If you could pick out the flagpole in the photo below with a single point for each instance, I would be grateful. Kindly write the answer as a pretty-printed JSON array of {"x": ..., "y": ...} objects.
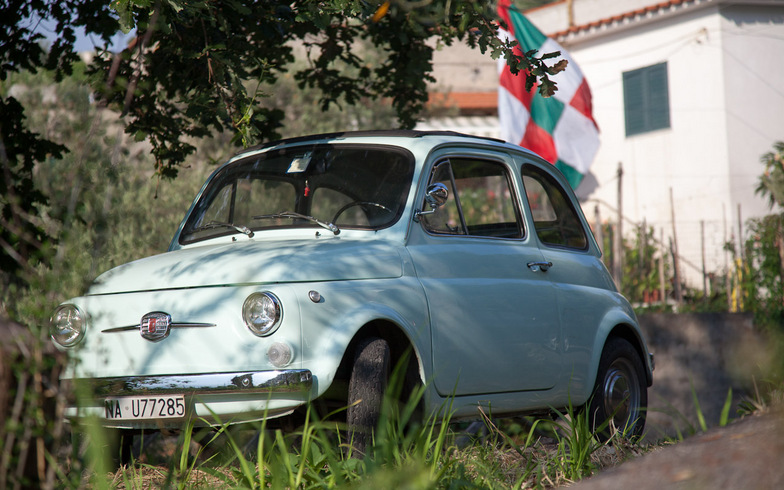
[
  {"x": 675, "y": 254},
  {"x": 618, "y": 242}
]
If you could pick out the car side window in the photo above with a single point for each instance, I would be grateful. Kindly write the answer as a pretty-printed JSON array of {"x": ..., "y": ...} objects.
[
  {"x": 481, "y": 200},
  {"x": 555, "y": 220}
]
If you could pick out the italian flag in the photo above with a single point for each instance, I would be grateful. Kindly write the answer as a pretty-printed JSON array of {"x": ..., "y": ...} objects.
[{"x": 560, "y": 128}]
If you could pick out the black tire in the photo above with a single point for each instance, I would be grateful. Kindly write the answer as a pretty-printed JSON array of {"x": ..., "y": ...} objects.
[
  {"x": 368, "y": 383},
  {"x": 620, "y": 396}
]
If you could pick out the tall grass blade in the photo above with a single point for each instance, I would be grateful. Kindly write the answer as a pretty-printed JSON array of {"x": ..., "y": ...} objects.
[
  {"x": 700, "y": 416},
  {"x": 725, "y": 410}
]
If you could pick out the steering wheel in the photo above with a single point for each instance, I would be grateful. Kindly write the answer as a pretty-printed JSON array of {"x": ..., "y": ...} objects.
[{"x": 360, "y": 203}]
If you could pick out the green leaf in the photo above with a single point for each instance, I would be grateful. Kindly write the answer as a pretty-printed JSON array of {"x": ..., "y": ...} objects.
[
  {"x": 175, "y": 5},
  {"x": 124, "y": 15}
]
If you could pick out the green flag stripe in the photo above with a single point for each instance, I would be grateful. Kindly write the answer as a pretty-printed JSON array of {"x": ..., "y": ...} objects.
[
  {"x": 573, "y": 176},
  {"x": 526, "y": 33},
  {"x": 546, "y": 112}
]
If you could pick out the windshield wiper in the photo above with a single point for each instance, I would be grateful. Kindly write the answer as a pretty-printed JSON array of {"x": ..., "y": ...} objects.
[
  {"x": 221, "y": 224},
  {"x": 290, "y": 214}
]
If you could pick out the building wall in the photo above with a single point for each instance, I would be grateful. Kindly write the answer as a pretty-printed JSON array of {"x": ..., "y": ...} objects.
[
  {"x": 462, "y": 69},
  {"x": 726, "y": 94},
  {"x": 689, "y": 159},
  {"x": 753, "y": 62}
]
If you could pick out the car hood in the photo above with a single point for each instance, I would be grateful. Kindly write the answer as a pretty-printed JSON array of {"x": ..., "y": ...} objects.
[{"x": 250, "y": 262}]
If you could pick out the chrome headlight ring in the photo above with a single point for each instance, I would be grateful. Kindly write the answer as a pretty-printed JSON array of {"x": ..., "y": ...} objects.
[
  {"x": 262, "y": 313},
  {"x": 68, "y": 325}
]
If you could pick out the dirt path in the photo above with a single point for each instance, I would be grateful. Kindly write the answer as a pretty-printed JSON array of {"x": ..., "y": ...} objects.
[{"x": 747, "y": 454}]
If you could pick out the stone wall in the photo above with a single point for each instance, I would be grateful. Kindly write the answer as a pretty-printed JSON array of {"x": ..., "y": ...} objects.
[{"x": 704, "y": 355}]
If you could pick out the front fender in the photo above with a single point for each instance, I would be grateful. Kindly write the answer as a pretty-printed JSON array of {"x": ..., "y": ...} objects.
[{"x": 329, "y": 326}]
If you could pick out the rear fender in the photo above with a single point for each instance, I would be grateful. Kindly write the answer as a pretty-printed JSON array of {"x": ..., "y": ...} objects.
[{"x": 618, "y": 324}]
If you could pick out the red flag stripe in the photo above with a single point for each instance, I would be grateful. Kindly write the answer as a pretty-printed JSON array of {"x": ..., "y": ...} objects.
[
  {"x": 540, "y": 142},
  {"x": 582, "y": 101},
  {"x": 503, "y": 12},
  {"x": 515, "y": 84}
]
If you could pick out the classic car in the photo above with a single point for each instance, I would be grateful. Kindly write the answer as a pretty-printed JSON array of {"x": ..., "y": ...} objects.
[{"x": 307, "y": 268}]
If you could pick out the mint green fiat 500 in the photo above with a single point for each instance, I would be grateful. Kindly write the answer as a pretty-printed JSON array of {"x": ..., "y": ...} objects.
[{"x": 306, "y": 269}]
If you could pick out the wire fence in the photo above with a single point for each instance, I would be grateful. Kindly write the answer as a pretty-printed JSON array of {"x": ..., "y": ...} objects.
[{"x": 694, "y": 256}]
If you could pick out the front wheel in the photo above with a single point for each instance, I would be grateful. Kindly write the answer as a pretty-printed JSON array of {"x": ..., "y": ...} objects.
[
  {"x": 620, "y": 395},
  {"x": 368, "y": 383}
]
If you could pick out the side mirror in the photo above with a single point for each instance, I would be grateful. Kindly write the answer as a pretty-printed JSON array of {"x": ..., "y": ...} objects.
[{"x": 436, "y": 196}]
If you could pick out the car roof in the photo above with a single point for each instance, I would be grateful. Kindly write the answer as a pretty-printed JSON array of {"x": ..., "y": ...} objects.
[{"x": 382, "y": 133}]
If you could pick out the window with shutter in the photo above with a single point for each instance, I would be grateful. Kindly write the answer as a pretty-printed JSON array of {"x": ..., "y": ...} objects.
[{"x": 646, "y": 99}]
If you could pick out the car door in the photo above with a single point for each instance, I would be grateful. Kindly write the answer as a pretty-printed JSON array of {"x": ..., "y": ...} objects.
[
  {"x": 494, "y": 322},
  {"x": 584, "y": 289}
]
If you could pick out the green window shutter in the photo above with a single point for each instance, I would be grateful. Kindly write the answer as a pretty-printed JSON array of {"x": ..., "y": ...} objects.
[
  {"x": 633, "y": 102},
  {"x": 646, "y": 99}
]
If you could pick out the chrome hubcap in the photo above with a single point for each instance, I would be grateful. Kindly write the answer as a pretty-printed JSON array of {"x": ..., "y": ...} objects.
[{"x": 622, "y": 394}]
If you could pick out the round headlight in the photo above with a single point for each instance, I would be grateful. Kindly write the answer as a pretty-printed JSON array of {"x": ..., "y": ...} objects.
[
  {"x": 262, "y": 313},
  {"x": 67, "y": 325}
]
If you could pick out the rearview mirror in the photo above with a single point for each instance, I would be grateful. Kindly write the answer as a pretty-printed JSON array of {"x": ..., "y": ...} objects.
[{"x": 436, "y": 196}]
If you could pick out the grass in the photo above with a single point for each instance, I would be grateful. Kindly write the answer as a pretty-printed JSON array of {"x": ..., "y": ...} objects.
[
  {"x": 527, "y": 453},
  {"x": 507, "y": 453},
  {"x": 546, "y": 454}
]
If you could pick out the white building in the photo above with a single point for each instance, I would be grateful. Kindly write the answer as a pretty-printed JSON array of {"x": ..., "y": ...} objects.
[{"x": 688, "y": 95}]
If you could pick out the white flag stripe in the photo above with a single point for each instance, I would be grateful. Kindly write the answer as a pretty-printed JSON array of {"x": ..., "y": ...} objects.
[
  {"x": 514, "y": 114},
  {"x": 568, "y": 80},
  {"x": 576, "y": 139},
  {"x": 504, "y": 36}
]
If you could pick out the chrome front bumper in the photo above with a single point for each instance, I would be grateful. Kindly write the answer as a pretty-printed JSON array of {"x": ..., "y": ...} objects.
[
  {"x": 211, "y": 398},
  {"x": 243, "y": 382}
]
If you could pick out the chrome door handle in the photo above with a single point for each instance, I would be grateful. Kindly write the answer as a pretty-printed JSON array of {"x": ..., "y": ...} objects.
[{"x": 537, "y": 266}]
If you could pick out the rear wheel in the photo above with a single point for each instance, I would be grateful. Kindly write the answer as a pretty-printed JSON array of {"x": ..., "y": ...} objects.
[
  {"x": 367, "y": 385},
  {"x": 620, "y": 395}
]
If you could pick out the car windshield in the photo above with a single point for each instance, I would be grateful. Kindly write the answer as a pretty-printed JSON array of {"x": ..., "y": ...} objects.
[{"x": 330, "y": 187}]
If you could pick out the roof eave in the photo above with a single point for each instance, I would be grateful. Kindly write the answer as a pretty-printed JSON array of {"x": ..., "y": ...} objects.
[{"x": 628, "y": 20}]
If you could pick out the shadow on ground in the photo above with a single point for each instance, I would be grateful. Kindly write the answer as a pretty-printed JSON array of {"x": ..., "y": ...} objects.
[{"x": 748, "y": 453}]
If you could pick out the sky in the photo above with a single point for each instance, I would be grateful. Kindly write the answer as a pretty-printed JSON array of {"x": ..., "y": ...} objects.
[{"x": 84, "y": 42}]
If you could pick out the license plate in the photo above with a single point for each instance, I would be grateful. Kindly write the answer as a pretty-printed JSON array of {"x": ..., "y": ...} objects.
[{"x": 145, "y": 407}]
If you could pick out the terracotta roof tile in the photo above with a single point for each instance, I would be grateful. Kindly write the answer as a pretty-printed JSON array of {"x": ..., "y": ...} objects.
[{"x": 466, "y": 100}]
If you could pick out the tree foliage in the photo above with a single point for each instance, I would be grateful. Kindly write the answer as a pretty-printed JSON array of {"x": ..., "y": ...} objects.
[
  {"x": 188, "y": 69},
  {"x": 101, "y": 205},
  {"x": 762, "y": 277},
  {"x": 199, "y": 67},
  {"x": 22, "y": 238},
  {"x": 771, "y": 183}
]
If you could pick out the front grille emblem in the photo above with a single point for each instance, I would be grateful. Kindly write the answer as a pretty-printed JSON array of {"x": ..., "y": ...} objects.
[{"x": 155, "y": 326}]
